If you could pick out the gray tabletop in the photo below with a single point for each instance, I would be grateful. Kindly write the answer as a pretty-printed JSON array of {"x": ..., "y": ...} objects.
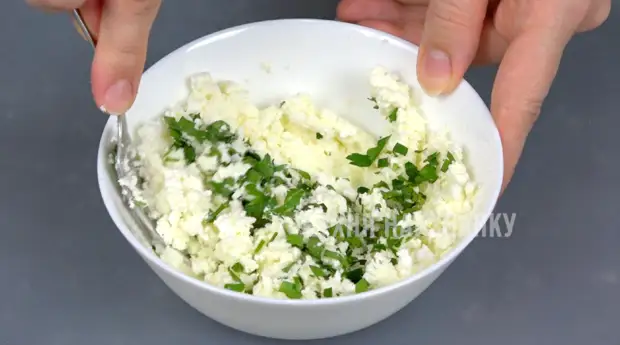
[{"x": 67, "y": 277}]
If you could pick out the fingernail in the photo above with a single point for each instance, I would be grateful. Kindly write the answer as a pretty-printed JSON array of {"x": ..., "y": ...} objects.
[
  {"x": 118, "y": 97},
  {"x": 437, "y": 72}
]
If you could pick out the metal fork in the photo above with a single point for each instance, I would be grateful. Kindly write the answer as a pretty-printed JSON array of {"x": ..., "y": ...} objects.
[{"x": 123, "y": 161}]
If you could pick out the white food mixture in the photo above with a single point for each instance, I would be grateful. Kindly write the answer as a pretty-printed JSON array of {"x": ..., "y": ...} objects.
[{"x": 294, "y": 201}]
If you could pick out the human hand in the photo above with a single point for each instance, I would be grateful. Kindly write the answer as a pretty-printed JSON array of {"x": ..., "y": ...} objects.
[
  {"x": 122, "y": 30},
  {"x": 527, "y": 38}
]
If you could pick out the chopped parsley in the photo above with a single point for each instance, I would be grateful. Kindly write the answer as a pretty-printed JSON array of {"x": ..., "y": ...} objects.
[
  {"x": 404, "y": 194},
  {"x": 446, "y": 163},
  {"x": 400, "y": 149},
  {"x": 291, "y": 290},
  {"x": 366, "y": 160},
  {"x": 393, "y": 115},
  {"x": 361, "y": 286}
]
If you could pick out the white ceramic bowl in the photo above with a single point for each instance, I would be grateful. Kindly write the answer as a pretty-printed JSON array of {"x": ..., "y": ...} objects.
[{"x": 331, "y": 61}]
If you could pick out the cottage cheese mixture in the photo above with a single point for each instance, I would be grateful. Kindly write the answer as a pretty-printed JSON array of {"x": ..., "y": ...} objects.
[{"x": 293, "y": 201}]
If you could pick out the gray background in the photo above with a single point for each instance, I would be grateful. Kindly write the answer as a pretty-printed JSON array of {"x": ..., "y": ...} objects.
[{"x": 67, "y": 277}]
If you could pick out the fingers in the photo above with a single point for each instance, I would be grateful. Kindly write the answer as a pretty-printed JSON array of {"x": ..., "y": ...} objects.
[
  {"x": 388, "y": 27},
  {"x": 492, "y": 46},
  {"x": 121, "y": 52},
  {"x": 597, "y": 14},
  {"x": 375, "y": 10},
  {"x": 449, "y": 43},
  {"x": 56, "y": 5},
  {"x": 522, "y": 83}
]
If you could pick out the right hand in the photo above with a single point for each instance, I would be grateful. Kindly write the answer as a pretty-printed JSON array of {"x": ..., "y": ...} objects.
[{"x": 122, "y": 30}]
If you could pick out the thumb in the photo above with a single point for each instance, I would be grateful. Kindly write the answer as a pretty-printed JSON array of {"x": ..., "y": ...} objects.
[
  {"x": 121, "y": 52},
  {"x": 449, "y": 42}
]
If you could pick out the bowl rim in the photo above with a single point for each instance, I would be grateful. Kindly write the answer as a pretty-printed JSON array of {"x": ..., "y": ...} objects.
[{"x": 151, "y": 257}]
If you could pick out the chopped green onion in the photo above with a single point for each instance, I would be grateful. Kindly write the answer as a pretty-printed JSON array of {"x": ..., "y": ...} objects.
[
  {"x": 213, "y": 216},
  {"x": 259, "y": 247}
]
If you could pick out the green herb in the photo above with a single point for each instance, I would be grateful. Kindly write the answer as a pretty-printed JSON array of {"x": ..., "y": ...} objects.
[
  {"x": 213, "y": 216},
  {"x": 361, "y": 286},
  {"x": 183, "y": 126},
  {"x": 359, "y": 160},
  {"x": 292, "y": 200},
  {"x": 393, "y": 115},
  {"x": 251, "y": 158},
  {"x": 383, "y": 163},
  {"x": 295, "y": 240},
  {"x": 433, "y": 159},
  {"x": 355, "y": 274},
  {"x": 374, "y": 152},
  {"x": 328, "y": 293},
  {"x": 322, "y": 206},
  {"x": 314, "y": 247},
  {"x": 319, "y": 136},
  {"x": 446, "y": 163},
  {"x": 288, "y": 267},
  {"x": 238, "y": 267},
  {"x": 400, "y": 149},
  {"x": 238, "y": 287},
  {"x": 219, "y": 131},
  {"x": 428, "y": 173},
  {"x": 291, "y": 290},
  {"x": 255, "y": 208},
  {"x": 333, "y": 255},
  {"x": 355, "y": 242},
  {"x": 262, "y": 243},
  {"x": 318, "y": 271},
  {"x": 265, "y": 167},
  {"x": 381, "y": 184},
  {"x": 223, "y": 188},
  {"x": 273, "y": 237},
  {"x": 374, "y": 100},
  {"x": 304, "y": 174},
  {"x": 299, "y": 284},
  {"x": 366, "y": 160},
  {"x": 233, "y": 275},
  {"x": 259, "y": 247},
  {"x": 176, "y": 130},
  {"x": 362, "y": 190}
]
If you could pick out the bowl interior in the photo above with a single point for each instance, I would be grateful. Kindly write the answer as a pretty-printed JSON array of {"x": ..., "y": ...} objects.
[{"x": 329, "y": 60}]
